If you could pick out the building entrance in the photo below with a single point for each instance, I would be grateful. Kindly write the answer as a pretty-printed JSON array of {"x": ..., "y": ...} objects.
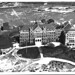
[{"x": 38, "y": 41}]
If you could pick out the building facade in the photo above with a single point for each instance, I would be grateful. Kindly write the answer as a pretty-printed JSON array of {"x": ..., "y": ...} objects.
[
  {"x": 70, "y": 37},
  {"x": 43, "y": 33}
]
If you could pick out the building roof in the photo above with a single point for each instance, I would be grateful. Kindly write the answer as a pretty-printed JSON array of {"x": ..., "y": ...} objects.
[
  {"x": 33, "y": 26},
  {"x": 70, "y": 28},
  {"x": 38, "y": 29},
  {"x": 67, "y": 27},
  {"x": 26, "y": 27}
]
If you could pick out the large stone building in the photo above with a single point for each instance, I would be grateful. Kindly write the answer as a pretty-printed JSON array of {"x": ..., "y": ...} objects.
[
  {"x": 70, "y": 37},
  {"x": 43, "y": 33}
]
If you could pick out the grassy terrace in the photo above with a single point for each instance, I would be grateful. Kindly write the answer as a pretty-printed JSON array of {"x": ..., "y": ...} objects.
[{"x": 60, "y": 51}]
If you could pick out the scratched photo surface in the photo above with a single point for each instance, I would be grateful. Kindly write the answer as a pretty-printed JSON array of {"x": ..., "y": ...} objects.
[{"x": 37, "y": 37}]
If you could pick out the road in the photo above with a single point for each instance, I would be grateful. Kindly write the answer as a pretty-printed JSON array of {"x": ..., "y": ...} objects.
[{"x": 30, "y": 46}]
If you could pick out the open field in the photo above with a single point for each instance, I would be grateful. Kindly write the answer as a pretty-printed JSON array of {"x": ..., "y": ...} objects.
[{"x": 24, "y": 15}]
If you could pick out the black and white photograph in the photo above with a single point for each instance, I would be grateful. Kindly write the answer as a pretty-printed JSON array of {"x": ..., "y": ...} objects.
[{"x": 37, "y": 37}]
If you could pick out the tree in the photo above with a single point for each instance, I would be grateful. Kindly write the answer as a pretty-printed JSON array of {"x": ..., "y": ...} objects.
[
  {"x": 5, "y": 41},
  {"x": 16, "y": 38},
  {"x": 59, "y": 26},
  {"x": 43, "y": 20},
  {"x": 1, "y": 27},
  {"x": 50, "y": 21},
  {"x": 62, "y": 37}
]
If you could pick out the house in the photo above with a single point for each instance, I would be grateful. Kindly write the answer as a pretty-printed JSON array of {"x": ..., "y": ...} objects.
[{"x": 44, "y": 33}]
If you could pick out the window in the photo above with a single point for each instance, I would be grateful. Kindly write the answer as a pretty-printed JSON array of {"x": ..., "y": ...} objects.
[
  {"x": 40, "y": 39},
  {"x": 67, "y": 44},
  {"x": 73, "y": 44},
  {"x": 70, "y": 44},
  {"x": 71, "y": 40}
]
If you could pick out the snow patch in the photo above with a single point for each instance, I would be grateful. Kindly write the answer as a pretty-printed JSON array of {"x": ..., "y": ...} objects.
[{"x": 56, "y": 43}]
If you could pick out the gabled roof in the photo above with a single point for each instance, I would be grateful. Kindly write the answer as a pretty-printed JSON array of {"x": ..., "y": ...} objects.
[
  {"x": 50, "y": 26},
  {"x": 72, "y": 28},
  {"x": 37, "y": 29},
  {"x": 67, "y": 27},
  {"x": 26, "y": 27}
]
